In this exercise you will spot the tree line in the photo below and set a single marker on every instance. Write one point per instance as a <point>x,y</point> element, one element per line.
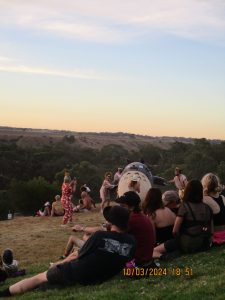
<point>30,176</point>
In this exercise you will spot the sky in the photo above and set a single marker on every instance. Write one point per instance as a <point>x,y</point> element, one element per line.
<point>145,67</point>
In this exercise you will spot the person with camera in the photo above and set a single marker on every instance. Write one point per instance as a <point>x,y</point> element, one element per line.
<point>68,189</point>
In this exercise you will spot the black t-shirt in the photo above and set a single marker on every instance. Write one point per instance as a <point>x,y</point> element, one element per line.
<point>103,255</point>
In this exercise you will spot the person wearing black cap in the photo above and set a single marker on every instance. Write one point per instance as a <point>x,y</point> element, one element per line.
<point>103,255</point>
<point>140,227</point>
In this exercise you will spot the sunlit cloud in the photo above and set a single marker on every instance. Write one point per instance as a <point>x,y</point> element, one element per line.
<point>8,65</point>
<point>117,21</point>
<point>5,59</point>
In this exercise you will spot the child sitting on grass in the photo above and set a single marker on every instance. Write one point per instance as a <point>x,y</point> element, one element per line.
<point>9,265</point>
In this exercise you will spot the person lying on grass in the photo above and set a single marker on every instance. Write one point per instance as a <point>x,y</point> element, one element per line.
<point>103,255</point>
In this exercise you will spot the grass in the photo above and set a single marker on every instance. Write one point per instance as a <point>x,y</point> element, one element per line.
<point>37,241</point>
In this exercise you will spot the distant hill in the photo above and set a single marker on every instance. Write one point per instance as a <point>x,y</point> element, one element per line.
<point>28,137</point>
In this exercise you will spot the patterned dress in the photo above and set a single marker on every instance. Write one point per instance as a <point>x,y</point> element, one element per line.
<point>66,199</point>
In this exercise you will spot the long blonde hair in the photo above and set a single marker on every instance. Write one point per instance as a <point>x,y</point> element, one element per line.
<point>211,184</point>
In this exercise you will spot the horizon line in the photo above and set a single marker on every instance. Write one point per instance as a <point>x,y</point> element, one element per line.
<point>107,132</point>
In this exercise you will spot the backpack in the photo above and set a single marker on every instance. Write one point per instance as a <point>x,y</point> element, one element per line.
<point>197,237</point>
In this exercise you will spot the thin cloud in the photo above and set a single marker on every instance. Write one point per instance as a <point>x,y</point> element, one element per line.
<point>75,73</point>
<point>116,21</point>
<point>83,31</point>
<point>5,59</point>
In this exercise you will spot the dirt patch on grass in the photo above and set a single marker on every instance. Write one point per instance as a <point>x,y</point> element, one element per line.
<point>40,239</point>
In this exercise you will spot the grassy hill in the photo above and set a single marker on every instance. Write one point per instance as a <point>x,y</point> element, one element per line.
<point>37,241</point>
<point>26,137</point>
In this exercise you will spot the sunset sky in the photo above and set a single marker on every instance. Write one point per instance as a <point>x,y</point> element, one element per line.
<point>139,66</point>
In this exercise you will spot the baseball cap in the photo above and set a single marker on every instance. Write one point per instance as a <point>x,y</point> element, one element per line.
<point>117,215</point>
<point>130,198</point>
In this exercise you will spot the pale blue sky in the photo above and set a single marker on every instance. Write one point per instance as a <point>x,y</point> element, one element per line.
<point>148,67</point>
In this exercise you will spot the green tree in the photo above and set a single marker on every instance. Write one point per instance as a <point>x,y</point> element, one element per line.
<point>28,196</point>
<point>221,171</point>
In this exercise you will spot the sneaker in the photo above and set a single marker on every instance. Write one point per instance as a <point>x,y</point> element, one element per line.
<point>63,225</point>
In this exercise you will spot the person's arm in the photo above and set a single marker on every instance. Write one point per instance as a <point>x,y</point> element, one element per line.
<point>108,185</point>
<point>153,224</point>
<point>73,185</point>
<point>177,225</point>
<point>223,199</point>
<point>52,210</point>
<point>185,181</point>
<point>212,204</point>
<point>171,181</point>
<point>86,229</point>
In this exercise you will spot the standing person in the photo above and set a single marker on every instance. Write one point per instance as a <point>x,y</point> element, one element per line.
<point>103,255</point>
<point>117,176</point>
<point>68,188</point>
<point>105,190</point>
<point>180,181</point>
<point>212,196</point>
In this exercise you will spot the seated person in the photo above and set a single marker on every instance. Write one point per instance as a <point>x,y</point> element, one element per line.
<point>10,265</point>
<point>212,196</point>
<point>103,255</point>
<point>88,190</point>
<point>140,227</point>
<point>171,200</point>
<point>57,208</point>
<point>193,225</point>
<point>161,217</point>
<point>45,211</point>
<point>85,203</point>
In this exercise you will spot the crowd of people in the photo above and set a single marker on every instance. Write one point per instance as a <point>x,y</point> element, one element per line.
<point>135,233</point>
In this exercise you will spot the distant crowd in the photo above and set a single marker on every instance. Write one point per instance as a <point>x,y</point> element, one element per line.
<point>136,233</point>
